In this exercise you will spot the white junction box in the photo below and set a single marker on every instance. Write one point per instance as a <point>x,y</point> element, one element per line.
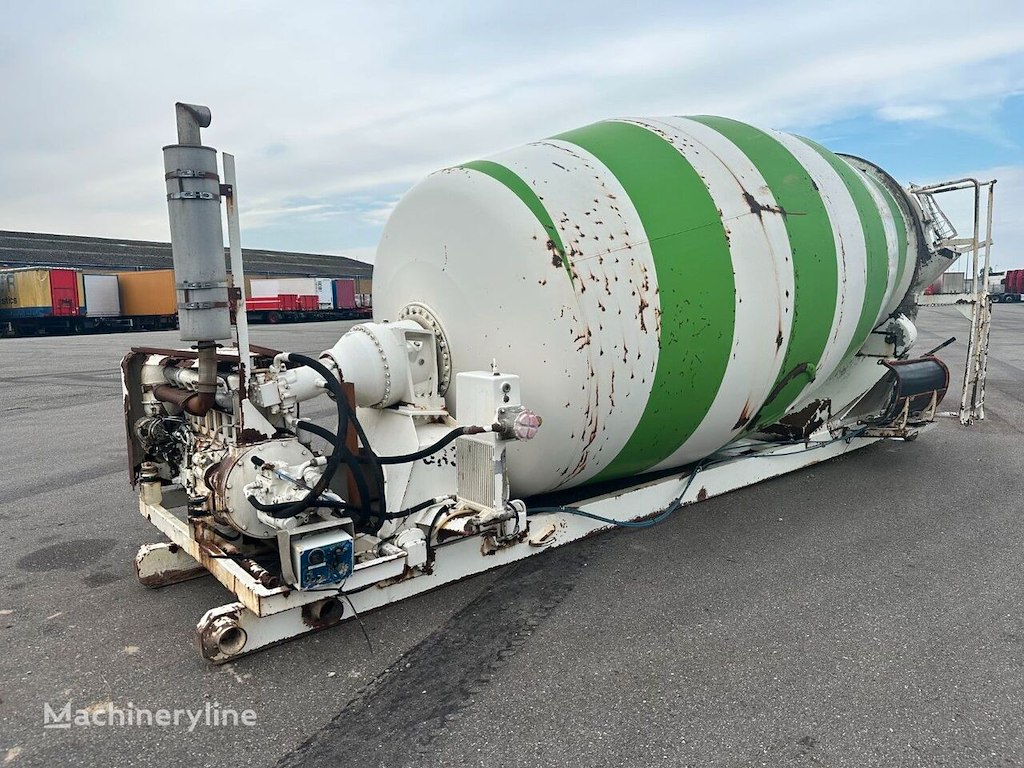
<point>479,395</point>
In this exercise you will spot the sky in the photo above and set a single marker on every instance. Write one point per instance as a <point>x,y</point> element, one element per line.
<point>335,109</point>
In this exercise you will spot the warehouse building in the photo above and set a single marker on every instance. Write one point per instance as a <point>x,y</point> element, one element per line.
<point>71,284</point>
<point>31,249</point>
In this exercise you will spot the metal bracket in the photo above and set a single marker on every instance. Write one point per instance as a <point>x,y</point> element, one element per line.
<point>426,317</point>
<point>189,173</point>
<point>202,304</point>
<point>186,285</point>
<point>193,196</point>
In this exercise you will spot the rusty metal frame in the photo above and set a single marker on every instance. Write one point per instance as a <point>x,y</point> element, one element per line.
<point>900,429</point>
<point>261,616</point>
<point>258,598</point>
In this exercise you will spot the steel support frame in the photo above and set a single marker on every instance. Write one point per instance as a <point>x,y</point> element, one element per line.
<point>262,616</point>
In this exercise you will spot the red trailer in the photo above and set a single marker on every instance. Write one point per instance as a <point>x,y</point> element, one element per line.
<point>270,309</point>
<point>344,293</point>
<point>1013,287</point>
<point>41,299</point>
<point>269,304</point>
<point>346,299</point>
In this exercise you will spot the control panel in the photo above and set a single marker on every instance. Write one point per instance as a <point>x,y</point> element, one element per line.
<point>321,559</point>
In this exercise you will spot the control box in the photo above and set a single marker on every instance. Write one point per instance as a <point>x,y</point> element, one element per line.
<point>479,395</point>
<point>320,559</point>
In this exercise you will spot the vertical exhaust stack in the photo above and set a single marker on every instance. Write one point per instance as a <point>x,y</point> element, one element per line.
<point>197,236</point>
<point>197,244</point>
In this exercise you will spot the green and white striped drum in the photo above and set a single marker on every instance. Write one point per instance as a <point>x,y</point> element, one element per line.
<point>662,286</point>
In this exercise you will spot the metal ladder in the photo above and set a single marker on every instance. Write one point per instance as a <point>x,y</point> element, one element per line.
<point>975,304</point>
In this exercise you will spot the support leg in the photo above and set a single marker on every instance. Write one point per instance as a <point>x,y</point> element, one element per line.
<point>159,565</point>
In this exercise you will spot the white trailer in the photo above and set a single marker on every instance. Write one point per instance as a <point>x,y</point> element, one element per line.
<point>324,292</point>
<point>300,286</point>
<point>101,296</point>
<point>264,288</point>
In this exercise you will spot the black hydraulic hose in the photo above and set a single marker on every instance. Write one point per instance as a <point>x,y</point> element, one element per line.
<point>416,508</point>
<point>343,404</point>
<point>340,452</point>
<point>434,448</point>
<point>374,462</point>
<point>274,509</point>
<point>351,461</point>
<point>277,510</point>
<point>326,434</point>
<point>315,429</point>
<point>337,455</point>
<point>405,458</point>
<point>371,457</point>
<point>430,532</point>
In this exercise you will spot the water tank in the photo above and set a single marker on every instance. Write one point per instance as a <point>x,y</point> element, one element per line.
<point>662,286</point>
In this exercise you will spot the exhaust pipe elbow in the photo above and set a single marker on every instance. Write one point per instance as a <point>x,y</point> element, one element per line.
<point>190,118</point>
<point>202,401</point>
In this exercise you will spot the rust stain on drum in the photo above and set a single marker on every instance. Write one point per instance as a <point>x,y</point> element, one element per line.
<point>745,416</point>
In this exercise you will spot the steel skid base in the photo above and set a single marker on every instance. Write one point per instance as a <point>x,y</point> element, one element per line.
<point>266,615</point>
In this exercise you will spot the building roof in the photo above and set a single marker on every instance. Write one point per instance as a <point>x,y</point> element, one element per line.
<point>26,249</point>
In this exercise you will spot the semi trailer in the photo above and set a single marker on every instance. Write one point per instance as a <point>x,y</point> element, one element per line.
<point>41,297</point>
<point>1011,290</point>
<point>587,332</point>
<point>75,300</point>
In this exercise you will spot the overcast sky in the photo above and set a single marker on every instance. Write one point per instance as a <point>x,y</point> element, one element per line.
<point>334,109</point>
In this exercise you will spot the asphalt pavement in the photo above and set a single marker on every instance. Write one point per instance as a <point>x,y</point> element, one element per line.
<point>868,611</point>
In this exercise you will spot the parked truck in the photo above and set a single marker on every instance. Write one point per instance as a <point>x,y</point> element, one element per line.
<point>73,300</point>
<point>1011,289</point>
<point>296,299</point>
<point>34,299</point>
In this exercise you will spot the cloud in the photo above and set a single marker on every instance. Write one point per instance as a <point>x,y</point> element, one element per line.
<point>905,112</point>
<point>1007,222</point>
<point>379,215</point>
<point>260,217</point>
<point>334,109</point>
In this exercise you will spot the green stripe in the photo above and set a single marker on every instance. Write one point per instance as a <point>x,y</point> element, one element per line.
<point>522,190</point>
<point>899,224</point>
<point>877,251</point>
<point>812,244</point>
<point>695,282</point>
